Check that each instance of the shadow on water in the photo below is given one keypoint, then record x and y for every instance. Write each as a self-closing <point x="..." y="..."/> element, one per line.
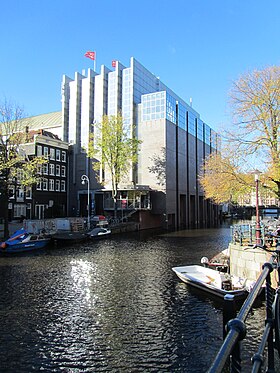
<point x="112" y="306"/>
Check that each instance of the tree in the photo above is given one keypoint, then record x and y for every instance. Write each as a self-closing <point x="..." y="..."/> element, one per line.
<point x="12" y="155"/>
<point x="114" y="148"/>
<point x="222" y="180"/>
<point x="255" y="134"/>
<point x="255" y="101"/>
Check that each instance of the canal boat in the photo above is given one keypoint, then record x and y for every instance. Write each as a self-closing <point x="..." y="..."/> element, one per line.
<point x="99" y="232"/>
<point x="214" y="282"/>
<point x="22" y="241"/>
<point x="69" y="237"/>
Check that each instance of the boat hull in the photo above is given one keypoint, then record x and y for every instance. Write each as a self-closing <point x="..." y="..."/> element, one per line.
<point x="208" y="280"/>
<point x="27" y="246"/>
<point x="98" y="233"/>
<point x="69" y="237"/>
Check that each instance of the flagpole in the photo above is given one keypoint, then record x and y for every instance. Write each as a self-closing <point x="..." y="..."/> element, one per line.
<point x="94" y="63"/>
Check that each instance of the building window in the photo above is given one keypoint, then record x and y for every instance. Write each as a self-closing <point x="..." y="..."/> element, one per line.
<point x="39" y="169"/>
<point x="52" y="154"/>
<point x="12" y="192"/>
<point x="46" y="151"/>
<point x="39" y="150"/>
<point x="62" y="186"/>
<point x="57" y="170"/>
<point x="51" y="169"/>
<point x="51" y="185"/>
<point x="28" y="193"/>
<point x="57" y="185"/>
<point x="63" y="156"/>
<point x="63" y="171"/>
<point x="20" y="195"/>
<point x="45" y="184"/>
<point x="19" y="210"/>
<point x="20" y="174"/>
<point x="57" y="154"/>
<point x="45" y="169"/>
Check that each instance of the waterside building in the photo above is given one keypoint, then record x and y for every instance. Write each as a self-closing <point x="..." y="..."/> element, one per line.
<point x="163" y="190"/>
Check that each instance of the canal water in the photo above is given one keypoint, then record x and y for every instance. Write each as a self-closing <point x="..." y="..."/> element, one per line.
<point x="113" y="306"/>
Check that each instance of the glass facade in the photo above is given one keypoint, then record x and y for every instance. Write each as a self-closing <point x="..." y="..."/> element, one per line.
<point x="112" y="93"/>
<point x="153" y="106"/>
<point x="200" y="130"/>
<point x="182" y="116"/>
<point x="170" y="108"/>
<point x="191" y="123"/>
<point x="207" y="134"/>
<point x="127" y="96"/>
<point x="162" y="105"/>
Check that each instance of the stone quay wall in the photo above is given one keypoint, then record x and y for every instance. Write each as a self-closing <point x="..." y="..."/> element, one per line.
<point x="246" y="262"/>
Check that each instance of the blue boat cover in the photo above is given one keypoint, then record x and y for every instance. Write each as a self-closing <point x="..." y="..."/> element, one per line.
<point x="17" y="237"/>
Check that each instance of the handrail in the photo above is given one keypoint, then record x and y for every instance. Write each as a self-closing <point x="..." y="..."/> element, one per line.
<point x="237" y="328"/>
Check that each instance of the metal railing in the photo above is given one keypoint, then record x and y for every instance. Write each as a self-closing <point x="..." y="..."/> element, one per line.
<point x="128" y="204"/>
<point x="245" y="233"/>
<point x="230" y="352"/>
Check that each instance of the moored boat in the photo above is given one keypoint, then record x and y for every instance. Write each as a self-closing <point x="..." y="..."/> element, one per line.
<point x="69" y="237"/>
<point x="99" y="232"/>
<point x="22" y="241"/>
<point x="214" y="282"/>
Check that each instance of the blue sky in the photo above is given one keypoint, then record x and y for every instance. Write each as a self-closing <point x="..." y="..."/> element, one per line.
<point x="197" y="47"/>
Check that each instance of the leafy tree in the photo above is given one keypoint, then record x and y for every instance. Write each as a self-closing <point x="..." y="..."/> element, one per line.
<point x="12" y="154"/>
<point x="255" y="135"/>
<point x="114" y="148"/>
<point x="255" y="102"/>
<point x="222" y="180"/>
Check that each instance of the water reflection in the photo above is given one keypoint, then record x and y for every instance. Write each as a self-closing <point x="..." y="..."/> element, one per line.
<point x="82" y="273"/>
<point x="111" y="306"/>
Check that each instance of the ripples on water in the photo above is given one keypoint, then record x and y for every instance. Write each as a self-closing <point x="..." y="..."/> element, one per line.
<point x="111" y="306"/>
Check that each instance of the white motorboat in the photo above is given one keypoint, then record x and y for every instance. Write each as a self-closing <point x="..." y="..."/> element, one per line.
<point x="99" y="232"/>
<point x="212" y="281"/>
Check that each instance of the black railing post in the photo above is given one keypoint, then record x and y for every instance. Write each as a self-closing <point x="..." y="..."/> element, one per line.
<point x="240" y="327"/>
<point x="269" y="296"/>
<point x="229" y="311"/>
<point x="237" y="330"/>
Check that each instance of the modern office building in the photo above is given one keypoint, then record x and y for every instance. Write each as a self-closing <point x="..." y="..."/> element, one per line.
<point x="163" y="188"/>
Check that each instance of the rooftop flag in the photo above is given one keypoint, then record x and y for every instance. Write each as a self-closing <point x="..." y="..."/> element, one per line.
<point x="90" y="55"/>
<point x="114" y="62"/>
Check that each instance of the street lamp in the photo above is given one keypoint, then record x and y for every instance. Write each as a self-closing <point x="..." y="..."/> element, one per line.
<point x="85" y="179"/>
<point x="258" y="226"/>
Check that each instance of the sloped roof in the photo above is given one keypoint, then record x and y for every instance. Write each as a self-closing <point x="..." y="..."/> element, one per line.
<point x="43" y="121"/>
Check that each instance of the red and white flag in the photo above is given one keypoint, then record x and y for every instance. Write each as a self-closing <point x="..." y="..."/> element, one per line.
<point x="90" y="55"/>
<point x="114" y="62"/>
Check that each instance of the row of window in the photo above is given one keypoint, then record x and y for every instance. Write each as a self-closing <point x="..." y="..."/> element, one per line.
<point x="153" y="108"/>
<point x="53" y="154"/>
<point x="19" y="192"/>
<point x="52" y="185"/>
<point x="52" y="169"/>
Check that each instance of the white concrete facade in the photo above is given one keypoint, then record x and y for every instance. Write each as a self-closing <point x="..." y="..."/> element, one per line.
<point x="173" y="135"/>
